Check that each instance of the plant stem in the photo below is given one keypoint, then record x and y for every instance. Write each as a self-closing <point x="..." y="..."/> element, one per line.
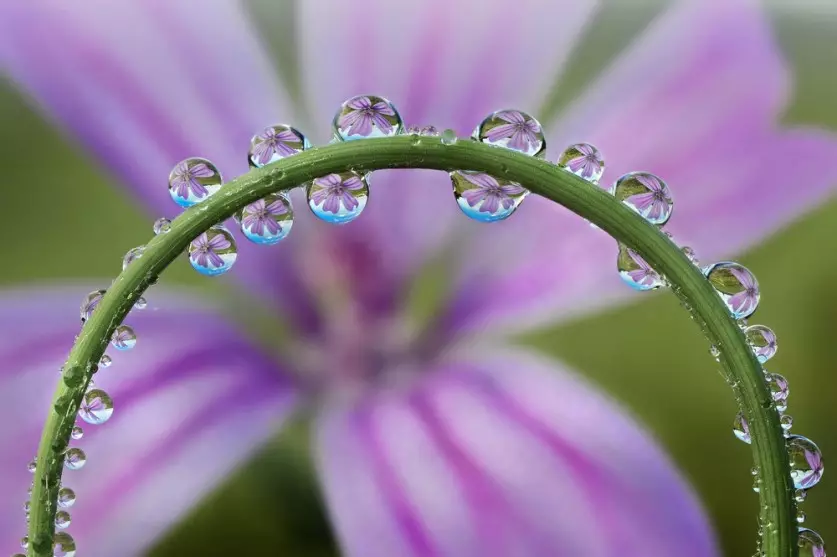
<point x="543" y="178"/>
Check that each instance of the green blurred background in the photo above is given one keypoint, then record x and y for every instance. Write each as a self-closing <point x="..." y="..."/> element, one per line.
<point x="273" y="500"/>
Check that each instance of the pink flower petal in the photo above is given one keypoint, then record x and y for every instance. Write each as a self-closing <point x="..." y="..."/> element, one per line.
<point x="479" y="461"/>
<point x="188" y="407"/>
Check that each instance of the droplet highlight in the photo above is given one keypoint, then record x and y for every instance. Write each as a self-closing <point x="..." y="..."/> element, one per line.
<point x="635" y="271"/>
<point x="512" y="129"/>
<point x="193" y="180"/>
<point x="366" y="116"/>
<point x="214" y="252"/>
<point x="646" y="194"/>
<point x="737" y="287"/>
<point x="338" y="198"/>
<point x="583" y="160"/>
<point x="96" y="407"/>
<point x="267" y="221"/>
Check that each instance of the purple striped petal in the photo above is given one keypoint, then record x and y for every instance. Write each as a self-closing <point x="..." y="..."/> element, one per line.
<point x="504" y="455"/>
<point x="696" y="101"/>
<point x="190" y="403"/>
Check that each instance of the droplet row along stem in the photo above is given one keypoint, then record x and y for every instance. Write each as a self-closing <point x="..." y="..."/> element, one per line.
<point x="541" y="177"/>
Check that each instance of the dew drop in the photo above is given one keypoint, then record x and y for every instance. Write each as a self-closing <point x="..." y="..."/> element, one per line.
<point x="741" y="428"/>
<point x="193" y="180"/>
<point x="810" y="543"/>
<point x="27" y="506"/>
<point x="24" y="542"/>
<point x="124" y="338"/>
<point x="77" y="432"/>
<point x="737" y="287"/>
<point x="449" y="137"/>
<point x="584" y="160"/>
<point x="141" y="303"/>
<point x="512" y="129"/>
<point x="646" y="194"/>
<point x="485" y="198"/>
<point x="274" y="144"/>
<point x="779" y="389"/>
<point x="65" y="545"/>
<point x="800" y="517"/>
<point x="90" y="302"/>
<point x="62" y="519"/>
<point x="787" y="422"/>
<point x="18" y="555"/>
<point x="214" y="252"/>
<point x="635" y="272"/>
<point x="762" y="340"/>
<point x="75" y="459"/>
<point x="161" y="226"/>
<point x="66" y="497"/>
<point x="132" y="255"/>
<point x="715" y="352"/>
<point x="105" y="362"/>
<point x="429" y="131"/>
<point x="338" y="198"/>
<point x="690" y="254"/>
<point x="268" y="220"/>
<point x="366" y="116"/>
<point x="96" y="407"/>
<point x="806" y="462"/>
<point x="800" y="495"/>
<point x="32" y="467"/>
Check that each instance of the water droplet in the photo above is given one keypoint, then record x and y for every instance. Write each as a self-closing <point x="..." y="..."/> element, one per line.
<point x="132" y="255"/>
<point x="213" y="252"/>
<point x="62" y="519"/>
<point x="74" y="459"/>
<point x="635" y="272"/>
<point x="762" y="340"/>
<point x="141" y="303"/>
<point x="429" y="131"/>
<point x="800" y="516"/>
<point x="27" y="506"/>
<point x="741" y="428"/>
<point x="366" y="116"/>
<point x="787" y="422"/>
<point x="757" y="484"/>
<point x="486" y="198"/>
<point x="754" y="471"/>
<point x="779" y="388"/>
<point x="584" y="160"/>
<point x="193" y="180"/>
<point x="18" y="555"/>
<point x="77" y="432"/>
<point x="96" y="407"/>
<point x="806" y="462"/>
<point x="105" y="362"/>
<point x="646" y="194"/>
<point x="66" y="497"/>
<point x="124" y="338"/>
<point x="512" y="129"/>
<point x="90" y="302"/>
<point x="268" y="220"/>
<point x="338" y="198"/>
<point x="449" y="137"/>
<point x="800" y="495"/>
<point x="24" y="542"/>
<point x="65" y="545"/>
<point x="811" y="544"/>
<point x="161" y="226"/>
<point x="737" y="287"/>
<point x="32" y="466"/>
<point x="274" y="144"/>
<point x="715" y="352"/>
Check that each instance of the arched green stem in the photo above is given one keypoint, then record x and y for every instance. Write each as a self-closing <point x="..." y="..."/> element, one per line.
<point x="543" y="178"/>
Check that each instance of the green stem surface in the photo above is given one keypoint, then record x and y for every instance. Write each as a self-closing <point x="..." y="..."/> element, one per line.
<point x="588" y="201"/>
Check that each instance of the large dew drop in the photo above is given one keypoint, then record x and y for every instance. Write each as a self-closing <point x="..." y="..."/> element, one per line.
<point x="741" y="428"/>
<point x="512" y="129"/>
<point x="96" y="407"/>
<point x="338" y="198"/>
<point x="124" y="338"/>
<point x="193" y="180"/>
<point x="806" y="462"/>
<point x="274" y="144"/>
<point x="132" y="255"/>
<point x="213" y="252"/>
<point x="485" y="198"/>
<point x="66" y="497"/>
<point x="762" y="340"/>
<point x="366" y="116"/>
<point x="584" y="160"/>
<point x="62" y="520"/>
<point x="268" y="220"/>
<point x="89" y="304"/>
<point x="646" y="194"/>
<point x="64" y="545"/>
<point x="810" y="543"/>
<point x="737" y="287"/>
<point x="635" y="272"/>
<point x="75" y="459"/>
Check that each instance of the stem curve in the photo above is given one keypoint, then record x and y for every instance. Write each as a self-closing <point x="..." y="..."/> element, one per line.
<point x="777" y="515"/>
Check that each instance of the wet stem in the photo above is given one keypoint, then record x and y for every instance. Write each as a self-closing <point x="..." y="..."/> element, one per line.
<point x="778" y="511"/>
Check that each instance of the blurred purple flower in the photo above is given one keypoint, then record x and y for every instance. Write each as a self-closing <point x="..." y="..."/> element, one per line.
<point x="427" y="442"/>
<point x="203" y="250"/>
<point x="185" y="180"/>
<point x="364" y="113"/>
<point x="258" y="216"/>
<point x="490" y="192"/>
<point x="335" y="193"/>
<point x="521" y="132"/>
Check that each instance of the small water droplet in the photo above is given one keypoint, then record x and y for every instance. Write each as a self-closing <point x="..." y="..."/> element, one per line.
<point x="754" y="471"/>
<point x="757" y="484"/>
<point x="24" y="542"/>
<point x="193" y="180"/>
<point x="800" y="517"/>
<point x="737" y="287"/>
<point x="161" y="226"/>
<point x="635" y="272"/>
<point x="74" y="459"/>
<point x="741" y="428"/>
<point x="485" y="198"/>
<point x="62" y="519"/>
<point x="800" y="495"/>
<point x="77" y="432"/>
<point x="715" y="352"/>
<point x="429" y="131"/>
<point x="214" y="252"/>
<point x="124" y="338"/>
<point x="810" y="543"/>
<point x="779" y="389"/>
<point x="338" y="198"/>
<point x="18" y="555"/>
<point x="366" y="116"/>
<point x="806" y="462"/>
<point x="27" y="506"/>
<point x="787" y="422"/>
<point x="32" y="466"/>
<point x="274" y="144"/>
<point x="449" y="137"/>
<point x="65" y="545"/>
<point x="690" y="254"/>
<point x="141" y="303"/>
<point x="66" y="497"/>
<point x="90" y="302"/>
<point x="762" y="340"/>
<point x="646" y="194"/>
<point x="132" y="255"/>
<point x="96" y="407"/>
<point x="267" y="221"/>
<point x="584" y="160"/>
<point x="512" y="129"/>
<point x="105" y="362"/>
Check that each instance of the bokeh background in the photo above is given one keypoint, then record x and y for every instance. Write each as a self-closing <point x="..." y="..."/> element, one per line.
<point x="60" y="218"/>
